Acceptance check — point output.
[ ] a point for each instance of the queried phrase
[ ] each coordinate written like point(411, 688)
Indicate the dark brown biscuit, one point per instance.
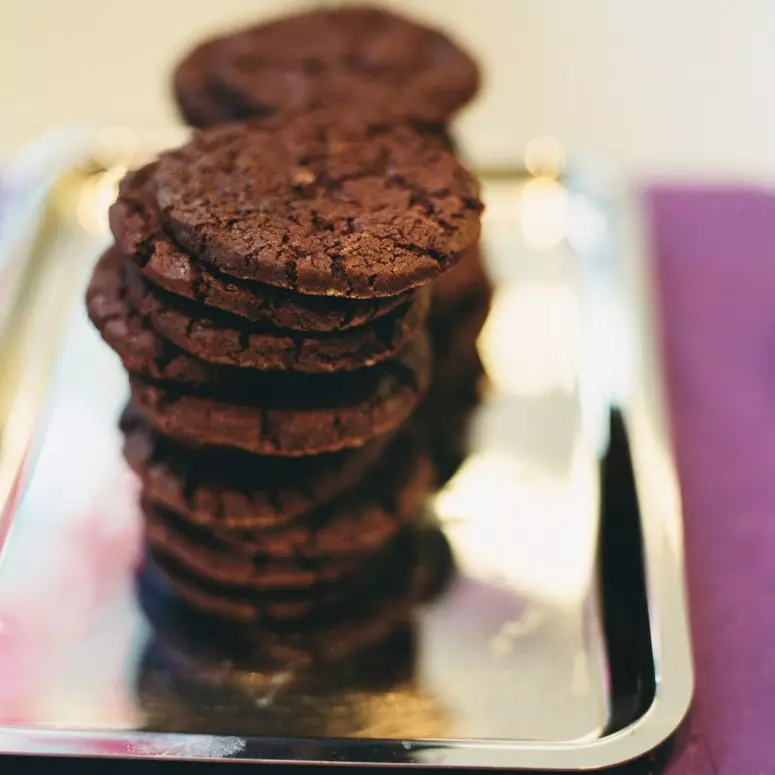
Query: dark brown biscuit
point(293, 414)
point(330, 205)
point(234, 489)
point(345, 58)
point(225, 340)
point(141, 349)
point(179, 274)
point(281, 592)
point(330, 619)
point(390, 389)
point(416, 567)
point(357, 522)
point(172, 545)
point(330, 622)
point(139, 234)
point(277, 592)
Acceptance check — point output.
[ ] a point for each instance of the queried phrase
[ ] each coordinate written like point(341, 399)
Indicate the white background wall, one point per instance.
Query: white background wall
point(678, 86)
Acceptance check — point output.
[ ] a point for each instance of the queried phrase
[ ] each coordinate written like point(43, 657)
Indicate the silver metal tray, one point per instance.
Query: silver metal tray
point(560, 640)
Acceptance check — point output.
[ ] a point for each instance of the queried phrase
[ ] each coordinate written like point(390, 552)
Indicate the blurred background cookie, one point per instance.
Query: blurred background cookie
point(333, 58)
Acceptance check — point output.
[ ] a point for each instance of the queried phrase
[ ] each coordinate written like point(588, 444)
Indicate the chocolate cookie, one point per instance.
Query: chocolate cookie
point(222, 339)
point(330, 205)
point(141, 349)
point(281, 592)
point(139, 234)
point(416, 567)
point(325, 622)
point(356, 523)
point(344, 58)
point(234, 489)
point(146, 354)
point(276, 591)
point(292, 414)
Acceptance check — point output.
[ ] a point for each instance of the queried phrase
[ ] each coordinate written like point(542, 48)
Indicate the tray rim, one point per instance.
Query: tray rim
point(661, 526)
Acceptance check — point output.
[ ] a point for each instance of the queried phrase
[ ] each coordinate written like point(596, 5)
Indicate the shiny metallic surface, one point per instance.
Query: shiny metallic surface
point(558, 640)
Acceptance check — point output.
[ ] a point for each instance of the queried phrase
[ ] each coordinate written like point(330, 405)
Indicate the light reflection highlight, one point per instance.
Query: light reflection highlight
point(543, 208)
point(512, 522)
point(96, 196)
point(545, 157)
point(530, 342)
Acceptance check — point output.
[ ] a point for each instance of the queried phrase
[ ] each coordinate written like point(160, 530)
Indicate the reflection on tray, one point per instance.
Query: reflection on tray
point(510, 648)
point(348, 670)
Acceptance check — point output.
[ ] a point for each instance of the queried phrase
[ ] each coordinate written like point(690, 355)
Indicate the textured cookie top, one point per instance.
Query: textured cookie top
point(337, 58)
point(140, 235)
point(290, 414)
point(361, 520)
point(230, 488)
point(224, 339)
point(326, 205)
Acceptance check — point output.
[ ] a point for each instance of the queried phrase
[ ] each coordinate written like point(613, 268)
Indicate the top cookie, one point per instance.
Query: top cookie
point(139, 235)
point(358, 57)
point(325, 205)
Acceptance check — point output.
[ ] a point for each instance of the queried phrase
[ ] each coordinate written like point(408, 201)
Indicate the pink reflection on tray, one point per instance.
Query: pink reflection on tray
point(65, 575)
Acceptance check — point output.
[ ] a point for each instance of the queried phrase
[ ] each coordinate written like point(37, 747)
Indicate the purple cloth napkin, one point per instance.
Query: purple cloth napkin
point(715, 251)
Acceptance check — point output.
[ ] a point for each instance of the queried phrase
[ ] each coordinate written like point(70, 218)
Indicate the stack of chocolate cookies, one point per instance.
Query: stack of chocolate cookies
point(355, 59)
point(267, 293)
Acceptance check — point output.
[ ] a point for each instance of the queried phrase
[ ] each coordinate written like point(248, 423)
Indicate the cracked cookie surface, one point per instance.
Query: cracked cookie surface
point(131, 322)
point(285, 413)
point(234, 489)
point(293, 414)
point(219, 338)
point(139, 233)
point(330, 205)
